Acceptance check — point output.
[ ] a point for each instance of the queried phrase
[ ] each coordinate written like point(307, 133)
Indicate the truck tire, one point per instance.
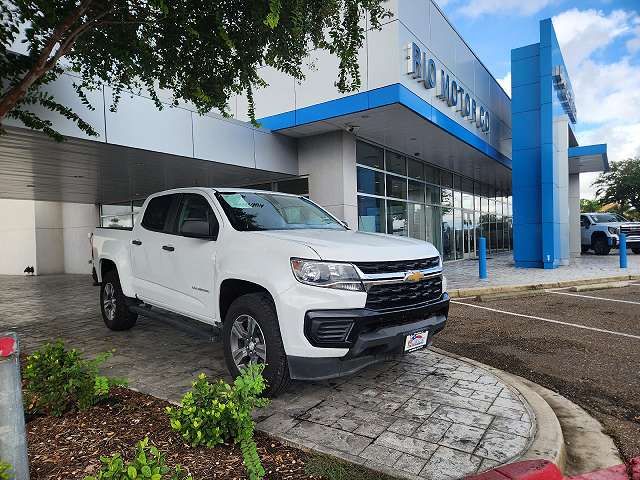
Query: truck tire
point(251, 333)
point(601, 246)
point(636, 250)
point(113, 304)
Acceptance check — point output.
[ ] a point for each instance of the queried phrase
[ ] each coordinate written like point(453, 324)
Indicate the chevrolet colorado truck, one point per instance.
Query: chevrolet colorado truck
point(286, 283)
point(601, 232)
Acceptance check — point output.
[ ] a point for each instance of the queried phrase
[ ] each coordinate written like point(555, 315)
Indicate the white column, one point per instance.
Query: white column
point(17, 231)
point(574, 214)
point(78, 221)
point(330, 162)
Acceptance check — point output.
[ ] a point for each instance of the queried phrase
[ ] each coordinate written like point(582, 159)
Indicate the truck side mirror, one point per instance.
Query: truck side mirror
point(197, 229)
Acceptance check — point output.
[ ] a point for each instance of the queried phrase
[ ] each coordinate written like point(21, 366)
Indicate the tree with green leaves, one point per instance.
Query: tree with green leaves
point(620, 185)
point(202, 51)
point(588, 205)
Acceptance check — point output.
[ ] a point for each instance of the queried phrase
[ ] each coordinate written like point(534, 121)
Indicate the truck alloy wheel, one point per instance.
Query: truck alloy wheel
point(109, 302)
point(247, 342)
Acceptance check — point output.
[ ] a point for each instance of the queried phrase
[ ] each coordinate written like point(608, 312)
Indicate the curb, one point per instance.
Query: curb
point(474, 292)
point(548, 442)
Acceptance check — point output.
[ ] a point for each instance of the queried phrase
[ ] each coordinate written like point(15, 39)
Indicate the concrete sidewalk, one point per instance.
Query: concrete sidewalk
point(463, 274)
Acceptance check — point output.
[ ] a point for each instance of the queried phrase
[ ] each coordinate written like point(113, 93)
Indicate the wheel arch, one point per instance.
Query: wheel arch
point(233, 288)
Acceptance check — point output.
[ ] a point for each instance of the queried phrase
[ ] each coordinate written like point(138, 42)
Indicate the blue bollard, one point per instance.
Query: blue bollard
point(623, 250)
point(482, 257)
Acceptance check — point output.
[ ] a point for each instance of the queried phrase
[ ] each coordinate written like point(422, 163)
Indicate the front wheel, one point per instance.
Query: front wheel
point(636, 250)
point(113, 303)
point(251, 334)
point(601, 246)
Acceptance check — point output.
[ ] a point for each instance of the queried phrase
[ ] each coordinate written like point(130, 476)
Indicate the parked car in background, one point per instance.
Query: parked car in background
point(600, 232)
point(290, 285)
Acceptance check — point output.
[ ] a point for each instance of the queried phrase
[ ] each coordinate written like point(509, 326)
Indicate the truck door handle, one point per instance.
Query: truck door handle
point(136, 242)
point(168, 248)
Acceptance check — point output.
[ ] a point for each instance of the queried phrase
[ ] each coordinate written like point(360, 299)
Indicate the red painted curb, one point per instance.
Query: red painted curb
point(545, 470)
point(7, 346)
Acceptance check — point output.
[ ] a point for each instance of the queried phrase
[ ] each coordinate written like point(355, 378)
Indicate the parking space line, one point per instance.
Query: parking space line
point(594, 298)
point(558, 322)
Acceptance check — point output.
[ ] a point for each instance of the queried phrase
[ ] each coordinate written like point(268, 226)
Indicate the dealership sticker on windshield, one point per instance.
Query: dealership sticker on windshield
point(235, 200)
point(415, 341)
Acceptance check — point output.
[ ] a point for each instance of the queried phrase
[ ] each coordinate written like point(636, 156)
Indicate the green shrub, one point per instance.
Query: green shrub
point(148, 463)
point(213, 413)
point(58, 380)
point(5, 471)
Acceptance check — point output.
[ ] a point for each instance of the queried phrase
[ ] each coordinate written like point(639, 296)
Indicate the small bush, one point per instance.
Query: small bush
point(213, 413)
point(148, 463)
point(58, 380)
point(5, 471)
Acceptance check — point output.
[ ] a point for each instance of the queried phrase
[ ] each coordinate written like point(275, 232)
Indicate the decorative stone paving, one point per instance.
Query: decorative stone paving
point(425, 415)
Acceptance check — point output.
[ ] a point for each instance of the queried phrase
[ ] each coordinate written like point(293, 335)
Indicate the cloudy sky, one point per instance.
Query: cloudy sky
point(600, 41)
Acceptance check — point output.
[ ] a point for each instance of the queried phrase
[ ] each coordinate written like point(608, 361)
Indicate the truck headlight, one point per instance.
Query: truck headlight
point(342, 276)
point(614, 230)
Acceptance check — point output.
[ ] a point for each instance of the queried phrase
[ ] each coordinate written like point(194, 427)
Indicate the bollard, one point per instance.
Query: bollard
point(13, 439)
point(482, 257)
point(623, 250)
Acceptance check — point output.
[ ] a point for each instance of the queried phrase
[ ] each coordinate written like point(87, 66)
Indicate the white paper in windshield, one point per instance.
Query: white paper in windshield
point(236, 200)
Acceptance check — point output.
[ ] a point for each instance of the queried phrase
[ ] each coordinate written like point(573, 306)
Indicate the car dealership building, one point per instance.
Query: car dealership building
point(430, 147)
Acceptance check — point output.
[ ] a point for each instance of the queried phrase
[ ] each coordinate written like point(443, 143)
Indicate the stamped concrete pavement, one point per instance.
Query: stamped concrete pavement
point(424, 415)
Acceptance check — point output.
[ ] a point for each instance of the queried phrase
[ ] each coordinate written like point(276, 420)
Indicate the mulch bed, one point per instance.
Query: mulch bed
point(69, 447)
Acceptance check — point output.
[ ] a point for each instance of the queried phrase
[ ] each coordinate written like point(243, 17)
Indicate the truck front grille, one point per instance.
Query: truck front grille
point(630, 230)
point(370, 268)
point(403, 294)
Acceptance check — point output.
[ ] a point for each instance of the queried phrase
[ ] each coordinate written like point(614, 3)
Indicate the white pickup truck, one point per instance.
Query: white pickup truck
point(288, 284)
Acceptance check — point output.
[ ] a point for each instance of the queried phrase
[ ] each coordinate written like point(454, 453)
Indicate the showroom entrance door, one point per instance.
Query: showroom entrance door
point(469, 235)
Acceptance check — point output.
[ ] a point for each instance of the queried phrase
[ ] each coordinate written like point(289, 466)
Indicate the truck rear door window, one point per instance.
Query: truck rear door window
point(157, 211)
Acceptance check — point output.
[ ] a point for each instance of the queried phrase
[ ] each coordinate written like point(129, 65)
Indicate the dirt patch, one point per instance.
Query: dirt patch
point(597, 371)
point(69, 447)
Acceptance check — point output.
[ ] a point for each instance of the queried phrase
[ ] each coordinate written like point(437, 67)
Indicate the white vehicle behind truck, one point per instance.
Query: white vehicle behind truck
point(288, 284)
point(600, 232)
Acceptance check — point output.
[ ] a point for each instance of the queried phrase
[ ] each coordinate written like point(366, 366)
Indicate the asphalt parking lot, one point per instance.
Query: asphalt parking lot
point(584, 345)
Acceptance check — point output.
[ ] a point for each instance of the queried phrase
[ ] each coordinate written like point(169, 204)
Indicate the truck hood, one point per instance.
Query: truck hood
point(354, 246)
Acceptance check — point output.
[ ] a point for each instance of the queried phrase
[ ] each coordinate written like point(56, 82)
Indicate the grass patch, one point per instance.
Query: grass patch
point(333, 469)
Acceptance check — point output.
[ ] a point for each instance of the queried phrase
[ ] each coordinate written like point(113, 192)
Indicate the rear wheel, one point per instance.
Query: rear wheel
point(113, 303)
point(251, 334)
point(601, 246)
point(636, 250)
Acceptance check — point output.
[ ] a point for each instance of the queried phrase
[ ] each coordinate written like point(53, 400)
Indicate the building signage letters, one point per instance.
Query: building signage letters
point(423, 69)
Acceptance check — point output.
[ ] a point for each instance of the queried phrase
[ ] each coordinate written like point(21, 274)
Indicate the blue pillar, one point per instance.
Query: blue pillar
point(482, 257)
point(623, 250)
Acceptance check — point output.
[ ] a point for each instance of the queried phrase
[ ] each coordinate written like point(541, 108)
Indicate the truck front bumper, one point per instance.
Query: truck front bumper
point(371, 336)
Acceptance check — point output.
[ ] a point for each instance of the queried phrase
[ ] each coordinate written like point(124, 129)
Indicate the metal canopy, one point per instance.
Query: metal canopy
point(399, 128)
point(34, 167)
point(588, 158)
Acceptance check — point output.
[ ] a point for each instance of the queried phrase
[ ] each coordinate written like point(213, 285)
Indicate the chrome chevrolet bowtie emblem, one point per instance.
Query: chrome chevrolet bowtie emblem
point(413, 276)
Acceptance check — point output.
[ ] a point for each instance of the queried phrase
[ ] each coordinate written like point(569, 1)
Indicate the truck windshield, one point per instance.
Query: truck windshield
point(608, 218)
point(249, 211)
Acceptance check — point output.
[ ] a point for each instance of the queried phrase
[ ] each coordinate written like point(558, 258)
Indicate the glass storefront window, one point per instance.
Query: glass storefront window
point(448, 245)
point(370, 181)
point(457, 198)
point(446, 179)
point(371, 214)
point(432, 174)
point(416, 191)
point(458, 233)
point(396, 163)
point(434, 229)
point(433, 194)
point(396, 187)
point(397, 218)
point(467, 201)
point(446, 198)
point(417, 221)
point(415, 169)
point(367, 154)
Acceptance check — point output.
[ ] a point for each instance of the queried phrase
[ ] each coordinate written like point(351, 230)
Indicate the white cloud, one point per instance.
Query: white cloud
point(505, 83)
point(476, 8)
point(607, 91)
